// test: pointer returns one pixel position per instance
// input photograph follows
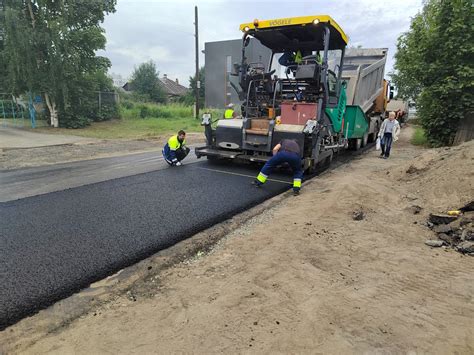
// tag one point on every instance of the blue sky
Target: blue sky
(163, 31)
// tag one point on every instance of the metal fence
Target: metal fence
(14, 112)
(30, 112)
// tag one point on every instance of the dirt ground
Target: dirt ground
(305, 277)
(83, 150)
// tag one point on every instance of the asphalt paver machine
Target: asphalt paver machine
(303, 98)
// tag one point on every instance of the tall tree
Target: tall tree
(435, 66)
(3, 67)
(145, 81)
(50, 48)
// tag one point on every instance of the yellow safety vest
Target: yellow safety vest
(229, 113)
(174, 143)
(298, 57)
(319, 60)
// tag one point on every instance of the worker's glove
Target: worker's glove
(178, 163)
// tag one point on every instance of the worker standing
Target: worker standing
(229, 112)
(175, 150)
(287, 151)
(388, 134)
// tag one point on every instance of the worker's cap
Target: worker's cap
(230, 105)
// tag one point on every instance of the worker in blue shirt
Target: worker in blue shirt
(287, 151)
(175, 150)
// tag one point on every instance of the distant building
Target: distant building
(127, 87)
(220, 58)
(173, 88)
(118, 80)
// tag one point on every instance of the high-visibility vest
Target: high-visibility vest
(319, 60)
(298, 57)
(229, 113)
(174, 143)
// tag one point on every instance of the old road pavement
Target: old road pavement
(65, 226)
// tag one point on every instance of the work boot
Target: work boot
(296, 192)
(257, 183)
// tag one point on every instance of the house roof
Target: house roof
(173, 87)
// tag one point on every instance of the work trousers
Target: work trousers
(179, 154)
(293, 159)
(182, 153)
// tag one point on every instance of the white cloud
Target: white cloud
(163, 31)
(140, 55)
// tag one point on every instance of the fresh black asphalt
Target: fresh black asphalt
(55, 244)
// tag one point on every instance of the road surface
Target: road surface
(65, 226)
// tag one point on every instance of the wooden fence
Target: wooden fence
(465, 131)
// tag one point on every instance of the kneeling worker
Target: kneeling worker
(175, 150)
(287, 151)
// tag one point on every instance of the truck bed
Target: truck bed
(364, 72)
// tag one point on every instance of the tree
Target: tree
(190, 97)
(434, 66)
(50, 49)
(3, 68)
(145, 81)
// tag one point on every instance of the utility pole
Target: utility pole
(198, 83)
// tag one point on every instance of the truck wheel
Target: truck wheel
(355, 143)
(365, 139)
(373, 136)
(310, 170)
(324, 163)
(328, 160)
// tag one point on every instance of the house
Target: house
(127, 87)
(172, 88)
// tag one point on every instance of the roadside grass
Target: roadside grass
(130, 128)
(140, 121)
(419, 137)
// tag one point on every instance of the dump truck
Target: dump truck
(400, 108)
(322, 95)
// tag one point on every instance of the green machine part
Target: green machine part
(351, 116)
(336, 114)
(355, 122)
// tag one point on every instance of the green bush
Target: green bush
(155, 111)
(71, 120)
(128, 104)
(419, 137)
(434, 67)
(107, 112)
(144, 111)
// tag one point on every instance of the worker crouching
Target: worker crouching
(175, 150)
(287, 151)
